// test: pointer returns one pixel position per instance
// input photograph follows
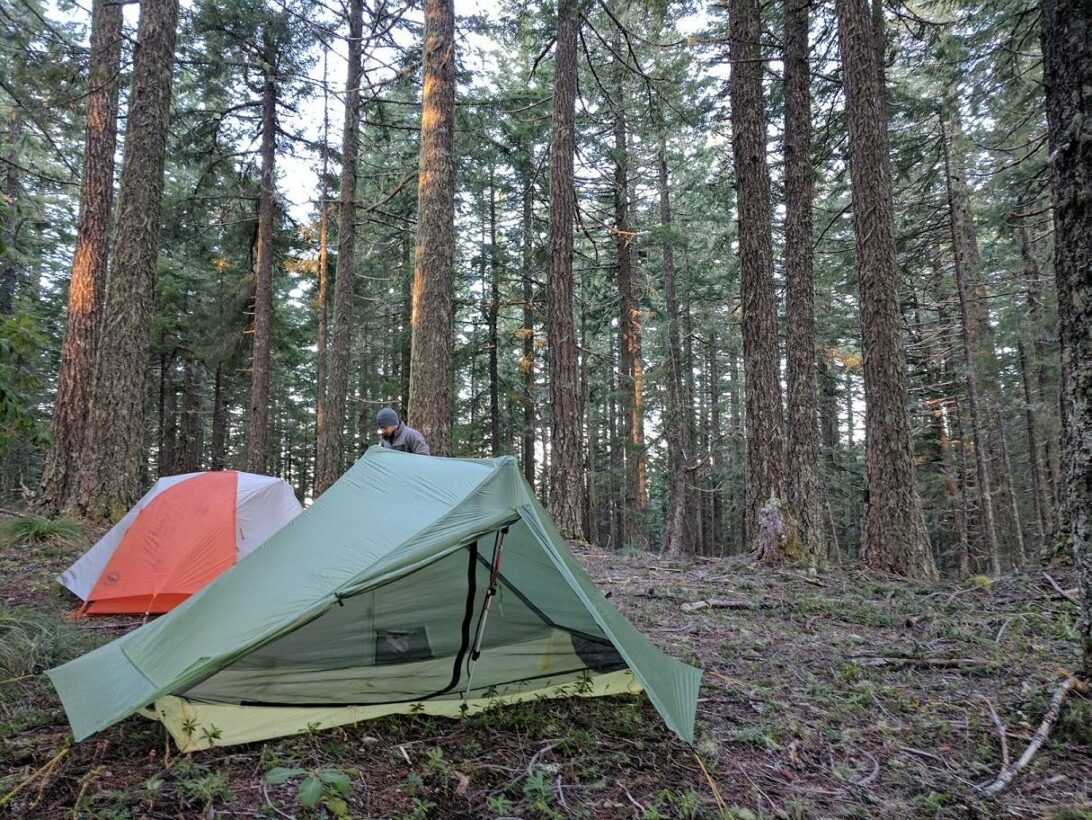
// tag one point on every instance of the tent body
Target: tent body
(372, 602)
(186, 531)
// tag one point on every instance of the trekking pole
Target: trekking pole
(487, 605)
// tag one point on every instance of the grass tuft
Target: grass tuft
(32, 641)
(38, 531)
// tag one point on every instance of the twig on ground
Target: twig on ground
(718, 603)
(268, 802)
(944, 663)
(1001, 733)
(637, 804)
(1065, 594)
(712, 785)
(1004, 780)
(40, 773)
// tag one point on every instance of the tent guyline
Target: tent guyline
(384, 597)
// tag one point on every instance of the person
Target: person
(397, 436)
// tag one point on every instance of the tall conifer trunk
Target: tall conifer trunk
(263, 273)
(433, 305)
(896, 539)
(110, 474)
(678, 530)
(1067, 74)
(331, 446)
(802, 452)
(565, 480)
(761, 357)
(60, 473)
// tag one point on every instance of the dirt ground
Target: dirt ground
(848, 694)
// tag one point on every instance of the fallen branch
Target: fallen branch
(718, 603)
(1042, 734)
(944, 663)
(1064, 593)
(1001, 733)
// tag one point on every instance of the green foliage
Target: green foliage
(326, 787)
(21, 422)
(31, 641)
(199, 784)
(39, 531)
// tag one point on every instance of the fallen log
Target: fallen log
(718, 603)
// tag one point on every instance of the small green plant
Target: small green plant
(38, 531)
(196, 782)
(539, 793)
(326, 787)
(500, 805)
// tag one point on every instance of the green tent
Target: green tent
(414, 584)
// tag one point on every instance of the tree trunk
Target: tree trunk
(1042, 519)
(219, 422)
(110, 472)
(433, 305)
(527, 362)
(491, 321)
(168, 419)
(970, 366)
(565, 480)
(9, 276)
(802, 451)
(716, 461)
(87, 285)
(678, 535)
(191, 428)
(896, 539)
(1067, 74)
(1019, 553)
(635, 503)
(323, 274)
(405, 338)
(263, 274)
(331, 447)
(761, 356)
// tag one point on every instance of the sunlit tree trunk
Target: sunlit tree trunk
(86, 288)
(433, 298)
(110, 474)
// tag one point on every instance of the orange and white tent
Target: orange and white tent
(182, 534)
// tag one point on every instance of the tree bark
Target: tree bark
(635, 502)
(433, 305)
(331, 447)
(527, 362)
(565, 480)
(1067, 74)
(109, 478)
(218, 445)
(9, 276)
(802, 451)
(678, 533)
(761, 356)
(1042, 519)
(191, 427)
(970, 365)
(87, 285)
(491, 315)
(323, 274)
(896, 539)
(263, 273)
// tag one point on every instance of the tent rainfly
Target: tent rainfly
(414, 584)
(181, 535)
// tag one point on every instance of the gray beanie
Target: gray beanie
(386, 417)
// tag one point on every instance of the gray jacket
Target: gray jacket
(407, 440)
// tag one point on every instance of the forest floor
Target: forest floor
(822, 697)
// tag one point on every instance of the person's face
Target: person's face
(388, 430)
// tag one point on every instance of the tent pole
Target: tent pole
(487, 605)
